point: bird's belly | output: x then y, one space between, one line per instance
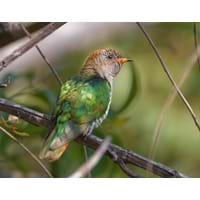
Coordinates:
99 120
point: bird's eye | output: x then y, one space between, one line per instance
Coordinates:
110 56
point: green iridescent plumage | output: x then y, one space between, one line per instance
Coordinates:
80 103
83 102
87 99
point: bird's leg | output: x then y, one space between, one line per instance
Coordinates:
87 133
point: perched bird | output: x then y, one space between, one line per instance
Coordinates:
84 101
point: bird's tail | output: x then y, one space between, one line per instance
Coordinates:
52 155
55 144
59 139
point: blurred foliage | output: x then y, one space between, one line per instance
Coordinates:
140 91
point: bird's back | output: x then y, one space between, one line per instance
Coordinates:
81 105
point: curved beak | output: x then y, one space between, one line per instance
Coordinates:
124 60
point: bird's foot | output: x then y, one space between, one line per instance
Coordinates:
85 137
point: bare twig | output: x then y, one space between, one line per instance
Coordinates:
25 47
116 153
127 171
10 31
92 162
43 56
27 150
89 174
166 70
195 33
170 99
27 114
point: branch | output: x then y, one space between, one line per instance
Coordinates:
25 47
43 56
195 33
166 70
27 114
127 171
92 162
89 174
170 99
27 151
116 153
10 31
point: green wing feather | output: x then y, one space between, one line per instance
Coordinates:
80 102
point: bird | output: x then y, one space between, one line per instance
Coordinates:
83 102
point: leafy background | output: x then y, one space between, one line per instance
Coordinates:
140 91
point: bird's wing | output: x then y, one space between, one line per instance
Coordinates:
83 101
80 102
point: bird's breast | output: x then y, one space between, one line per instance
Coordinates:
99 120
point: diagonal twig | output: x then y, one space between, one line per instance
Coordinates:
89 174
170 99
116 153
127 171
27 151
10 31
166 70
47 30
195 33
92 162
43 56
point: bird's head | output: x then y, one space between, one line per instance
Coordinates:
105 63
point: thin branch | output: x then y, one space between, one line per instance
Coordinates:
195 33
170 99
43 56
25 47
127 171
89 174
92 162
166 70
10 31
116 153
27 151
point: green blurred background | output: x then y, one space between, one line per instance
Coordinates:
140 91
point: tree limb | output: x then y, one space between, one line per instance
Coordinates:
27 151
54 72
47 30
116 153
10 31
